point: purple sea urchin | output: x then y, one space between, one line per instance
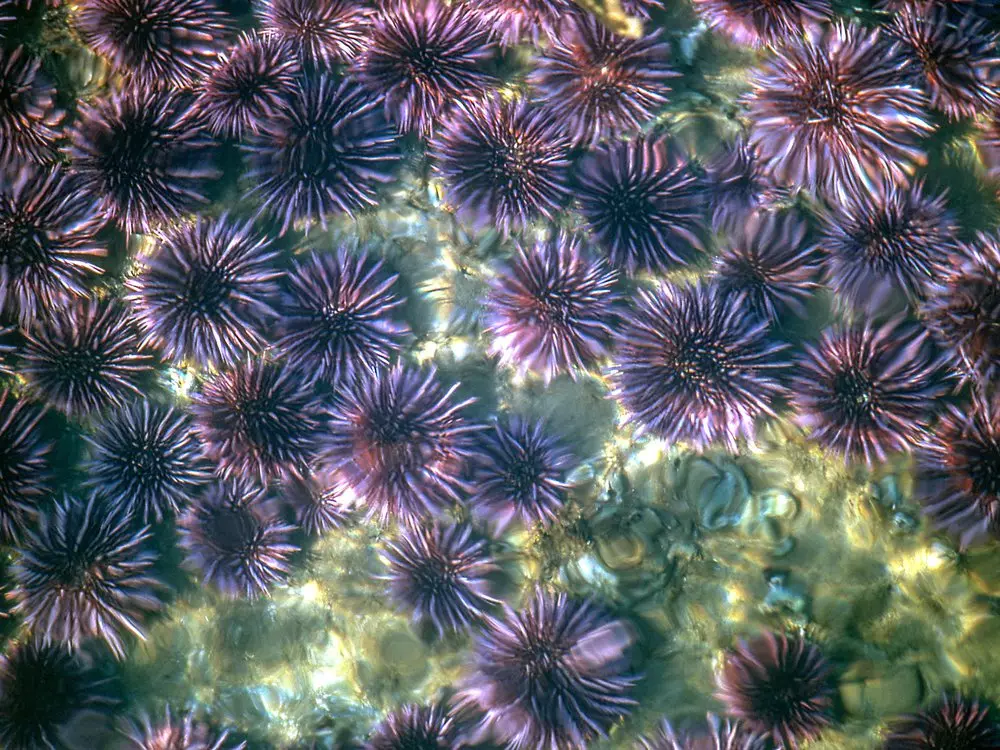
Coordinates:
553 675
318 501
962 309
953 722
248 86
601 84
234 538
439 574
84 357
401 443
779 686
425 56
764 23
323 32
642 203
552 309
692 365
838 112
897 239
959 471
336 316
154 42
171 734
521 471
326 151
739 185
414 727
86 573
718 735
518 20
205 292
43 691
24 471
864 391
258 419
27 117
140 151
504 163
146 458
768 266
957 55
47 228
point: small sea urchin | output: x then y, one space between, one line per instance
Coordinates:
24 471
739 185
325 151
146 458
425 56
520 471
504 163
553 675
779 686
154 42
864 391
764 23
171 734
401 443
247 86
440 575
336 317
717 735
258 419
959 471
414 727
691 365
894 240
47 241
86 572
319 501
837 112
602 84
768 266
204 293
953 722
322 32
552 309
84 357
141 153
234 538
642 203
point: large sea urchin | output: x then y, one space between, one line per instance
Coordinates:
959 475
520 471
154 42
401 443
780 686
425 56
504 163
602 84
47 243
234 538
86 573
838 112
143 155
414 727
642 203
146 458
326 151
864 391
440 575
336 317
552 309
553 675
205 291
258 419
84 357
692 365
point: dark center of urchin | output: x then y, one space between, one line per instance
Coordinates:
337 321
554 306
233 530
79 364
40 696
147 462
855 393
628 205
418 738
511 164
984 468
780 698
824 100
522 477
881 240
21 243
699 362
434 574
543 664
206 291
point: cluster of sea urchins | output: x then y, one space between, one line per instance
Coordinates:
127 267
